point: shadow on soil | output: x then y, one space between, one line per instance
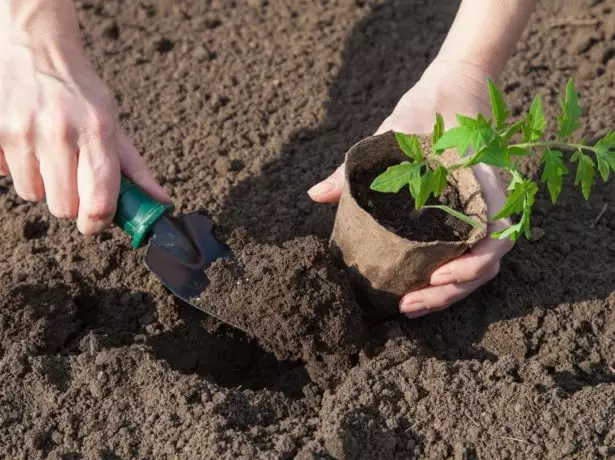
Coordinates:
79 318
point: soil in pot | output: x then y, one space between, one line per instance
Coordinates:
395 211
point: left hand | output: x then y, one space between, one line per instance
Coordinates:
448 88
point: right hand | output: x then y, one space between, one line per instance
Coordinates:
59 135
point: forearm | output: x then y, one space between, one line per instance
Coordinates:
485 33
40 23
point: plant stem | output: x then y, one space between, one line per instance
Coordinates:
528 145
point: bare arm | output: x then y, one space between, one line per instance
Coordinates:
60 139
485 32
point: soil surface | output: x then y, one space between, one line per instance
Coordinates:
395 211
239 107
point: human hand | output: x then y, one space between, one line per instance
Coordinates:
448 88
59 134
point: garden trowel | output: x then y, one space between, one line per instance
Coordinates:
179 248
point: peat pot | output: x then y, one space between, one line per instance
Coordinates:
383 265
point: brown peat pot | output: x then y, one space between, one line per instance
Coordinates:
383 265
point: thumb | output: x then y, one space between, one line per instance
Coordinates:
134 166
330 189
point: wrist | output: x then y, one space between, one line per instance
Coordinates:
50 25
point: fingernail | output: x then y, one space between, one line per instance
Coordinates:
411 305
442 277
322 188
416 314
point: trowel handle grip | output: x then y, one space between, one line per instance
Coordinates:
137 211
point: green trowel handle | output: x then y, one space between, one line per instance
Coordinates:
137 211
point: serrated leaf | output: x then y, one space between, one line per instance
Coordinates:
459 215
518 152
440 181
571 111
498 105
394 178
453 138
410 145
523 226
515 128
605 154
534 125
438 130
586 171
492 154
471 132
523 191
553 172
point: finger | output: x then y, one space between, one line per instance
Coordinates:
4 168
24 170
330 189
58 169
98 182
434 298
135 167
472 265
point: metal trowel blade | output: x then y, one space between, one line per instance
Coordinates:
180 249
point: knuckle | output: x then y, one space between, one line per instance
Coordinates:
18 128
99 211
99 124
56 128
64 212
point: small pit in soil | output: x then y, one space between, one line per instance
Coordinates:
395 211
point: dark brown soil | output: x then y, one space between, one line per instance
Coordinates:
395 211
293 300
239 107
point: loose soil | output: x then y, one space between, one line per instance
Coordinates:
395 211
239 107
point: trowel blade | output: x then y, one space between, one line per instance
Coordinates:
180 249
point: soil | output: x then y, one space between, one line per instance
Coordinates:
239 107
294 301
395 211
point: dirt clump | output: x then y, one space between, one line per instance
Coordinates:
292 299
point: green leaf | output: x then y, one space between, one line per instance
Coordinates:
453 138
523 226
492 154
534 125
410 145
586 172
395 178
553 172
605 154
440 181
424 188
523 191
571 111
471 132
515 128
518 152
438 130
459 215
498 105
512 231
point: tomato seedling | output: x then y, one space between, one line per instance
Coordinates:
491 143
